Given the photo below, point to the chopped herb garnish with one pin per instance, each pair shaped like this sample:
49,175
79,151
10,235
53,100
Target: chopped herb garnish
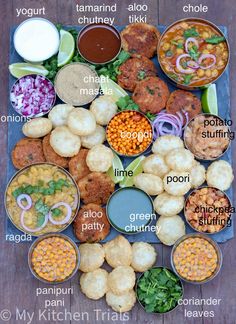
193,52
56,212
191,32
41,207
126,103
215,39
187,78
173,76
40,219
151,91
141,75
151,116
174,42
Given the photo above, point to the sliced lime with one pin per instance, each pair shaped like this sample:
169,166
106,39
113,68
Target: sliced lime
19,70
118,166
209,100
66,48
136,168
109,87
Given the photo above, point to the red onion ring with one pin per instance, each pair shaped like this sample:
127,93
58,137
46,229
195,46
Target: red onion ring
193,65
32,230
66,219
27,198
180,68
192,40
205,56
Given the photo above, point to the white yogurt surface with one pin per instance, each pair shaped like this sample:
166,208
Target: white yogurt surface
36,40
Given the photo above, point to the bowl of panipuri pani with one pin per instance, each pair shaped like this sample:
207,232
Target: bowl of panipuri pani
193,53
53,258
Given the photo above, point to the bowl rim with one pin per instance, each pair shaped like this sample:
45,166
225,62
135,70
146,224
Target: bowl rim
142,152
98,24
34,76
157,267
45,236
188,125
30,19
196,19
95,75
215,246
113,224
195,190
17,173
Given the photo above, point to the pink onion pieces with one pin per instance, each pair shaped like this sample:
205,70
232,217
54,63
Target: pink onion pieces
205,56
66,219
27,198
175,124
180,68
32,230
32,95
190,40
193,65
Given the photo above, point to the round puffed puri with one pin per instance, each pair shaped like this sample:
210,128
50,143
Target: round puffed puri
92,256
37,127
122,303
118,252
121,280
170,229
168,205
149,183
155,164
94,284
180,159
99,158
143,256
220,175
81,122
64,142
165,144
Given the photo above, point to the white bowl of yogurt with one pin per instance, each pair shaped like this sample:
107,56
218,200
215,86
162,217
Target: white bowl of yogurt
36,40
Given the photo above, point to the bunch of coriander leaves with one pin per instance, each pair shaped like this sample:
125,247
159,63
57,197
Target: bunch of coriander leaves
159,290
110,69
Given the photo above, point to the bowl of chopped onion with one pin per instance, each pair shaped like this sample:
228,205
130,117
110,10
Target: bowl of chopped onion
32,96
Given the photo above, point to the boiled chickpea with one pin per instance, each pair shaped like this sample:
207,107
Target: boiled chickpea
208,73
220,63
205,35
166,46
179,51
209,46
215,73
205,51
200,73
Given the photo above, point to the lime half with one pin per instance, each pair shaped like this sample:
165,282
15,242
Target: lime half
19,70
66,48
209,100
116,167
136,168
109,87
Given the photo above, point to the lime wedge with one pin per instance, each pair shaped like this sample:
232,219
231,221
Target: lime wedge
136,167
209,100
19,70
116,165
109,87
66,48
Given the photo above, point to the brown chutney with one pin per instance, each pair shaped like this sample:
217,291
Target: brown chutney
99,43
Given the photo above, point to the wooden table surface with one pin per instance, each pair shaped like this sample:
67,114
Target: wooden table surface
17,286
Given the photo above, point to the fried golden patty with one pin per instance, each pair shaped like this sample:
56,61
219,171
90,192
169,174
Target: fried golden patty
181,100
140,39
26,152
134,70
78,166
51,155
151,95
96,188
91,224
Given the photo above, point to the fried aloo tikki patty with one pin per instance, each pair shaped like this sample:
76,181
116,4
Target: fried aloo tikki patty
140,39
51,156
96,188
134,70
181,100
77,165
91,224
151,95
26,152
